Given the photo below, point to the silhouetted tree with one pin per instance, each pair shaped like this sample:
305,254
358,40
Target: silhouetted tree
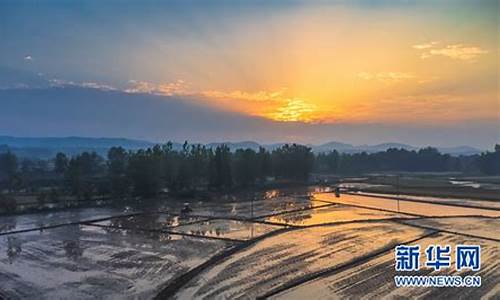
489,162
245,167
144,171
426,159
60,163
292,162
117,170
81,172
264,165
9,170
220,165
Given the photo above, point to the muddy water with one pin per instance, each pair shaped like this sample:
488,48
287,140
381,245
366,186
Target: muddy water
127,257
149,221
256,208
330,214
33,221
424,209
264,203
288,256
481,227
375,278
465,201
474,184
229,229
78,261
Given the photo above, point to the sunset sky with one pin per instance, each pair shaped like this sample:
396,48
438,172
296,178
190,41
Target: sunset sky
427,65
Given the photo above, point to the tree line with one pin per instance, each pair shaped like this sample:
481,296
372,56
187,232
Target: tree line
148,172
424,160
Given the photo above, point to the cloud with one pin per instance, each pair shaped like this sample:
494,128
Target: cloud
454,51
259,96
387,77
272,104
179,87
86,112
91,85
425,45
459,52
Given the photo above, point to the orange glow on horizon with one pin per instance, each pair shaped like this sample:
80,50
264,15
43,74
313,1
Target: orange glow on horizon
340,64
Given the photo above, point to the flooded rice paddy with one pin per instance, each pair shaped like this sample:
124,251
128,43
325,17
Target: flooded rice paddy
331,214
284,245
79,261
407,206
291,255
228,229
441,200
374,279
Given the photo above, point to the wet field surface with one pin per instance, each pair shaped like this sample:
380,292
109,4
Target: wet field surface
330,214
34,221
407,206
278,244
291,255
448,201
81,261
374,279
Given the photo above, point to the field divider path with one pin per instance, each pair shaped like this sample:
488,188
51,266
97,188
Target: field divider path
239,219
174,286
82,222
392,219
89,221
372,208
4,214
257,219
170,291
417,217
327,204
206,218
447,231
331,271
424,201
407,213
167,232
202,219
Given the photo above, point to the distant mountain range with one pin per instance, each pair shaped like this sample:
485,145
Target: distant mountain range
33,108
348,148
47,147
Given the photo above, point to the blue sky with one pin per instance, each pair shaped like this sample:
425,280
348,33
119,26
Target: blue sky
416,70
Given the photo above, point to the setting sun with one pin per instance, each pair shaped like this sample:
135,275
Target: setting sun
294,110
